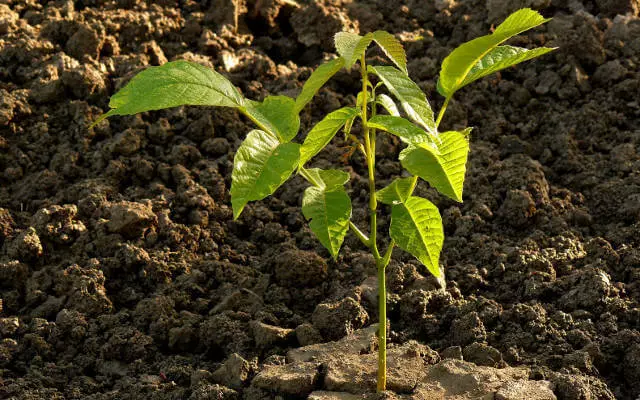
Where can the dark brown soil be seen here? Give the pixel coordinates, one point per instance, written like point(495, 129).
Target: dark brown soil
point(123, 276)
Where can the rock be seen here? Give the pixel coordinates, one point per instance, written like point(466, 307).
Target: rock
point(7, 107)
point(335, 320)
point(215, 146)
point(85, 41)
point(84, 289)
point(84, 81)
point(361, 341)
point(127, 142)
point(26, 246)
point(267, 336)
point(498, 10)
point(297, 379)
point(325, 395)
point(213, 392)
point(233, 373)
point(518, 208)
point(611, 8)
point(307, 335)
point(483, 354)
point(454, 352)
point(530, 390)
point(355, 373)
point(130, 219)
point(317, 23)
point(9, 326)
point(587, 289)
point(299, 268)
point(467, 329)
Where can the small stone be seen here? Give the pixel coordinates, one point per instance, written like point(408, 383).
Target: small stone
point(324, 395)
point(26, 246)
point(233, 373)
point(266, 336)
point(336, 320)
point(307, 335)
point(299, 268)
point(467, 329)
point(530, 390)
point(9, 326)
point(213, 392)
point(216, 146)
point(130, 219)
point(483, 354)
point(454, 352)
point(85, 41)
point(297, 379)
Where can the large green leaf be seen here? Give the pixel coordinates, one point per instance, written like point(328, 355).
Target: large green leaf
point(352, 46)
point(457, 66)
point(321, 134)
point(317, 79)
point(328, 208)
point(392, 48)
point(398, 191)
point(400, 127)
point(329, 178)
point(173, 84)
point(443, 167)
point(500, 58)
point(413, 100)
point(416, 227)
point(388, 104)
point(260, 166)
point(276, 115)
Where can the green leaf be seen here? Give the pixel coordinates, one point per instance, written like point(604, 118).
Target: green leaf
point(443, 167)
point(416, 227)
point(500, 58)
point(317, 79)
point(321, 134)
point(328, 212)
point(276, 115)
point(173, 84)
point(400, 127)
point(388, 104)
point(260, 166)
point(413, 100)
point(329, 179)
point(457, 66)
point(398, 191)
point(392, 48)
point(352, 46)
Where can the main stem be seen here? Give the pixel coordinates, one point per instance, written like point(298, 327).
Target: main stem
point(381, 262)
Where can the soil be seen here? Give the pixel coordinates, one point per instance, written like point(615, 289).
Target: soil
point(123, 275)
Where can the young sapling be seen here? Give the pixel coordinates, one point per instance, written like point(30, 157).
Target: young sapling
point(269, 155)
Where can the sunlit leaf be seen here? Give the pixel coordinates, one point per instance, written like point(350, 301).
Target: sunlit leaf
point(317, 79)
point(388, 104)
point(352, 46)
point(457, 66)
point(412, 99)
point(260, 166)
point(173, 84)
point(328, 208)
point(443, 166)
point(392, 48)
point(276, 115)
point(416, 227)
point(400, 127)
point(398, 191)
point(322, 133)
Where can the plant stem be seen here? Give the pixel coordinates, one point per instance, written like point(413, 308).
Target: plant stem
point(363, 238)
point(381, 262)
point(442, 110)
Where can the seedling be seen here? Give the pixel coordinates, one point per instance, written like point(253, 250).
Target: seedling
point(268, 156)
